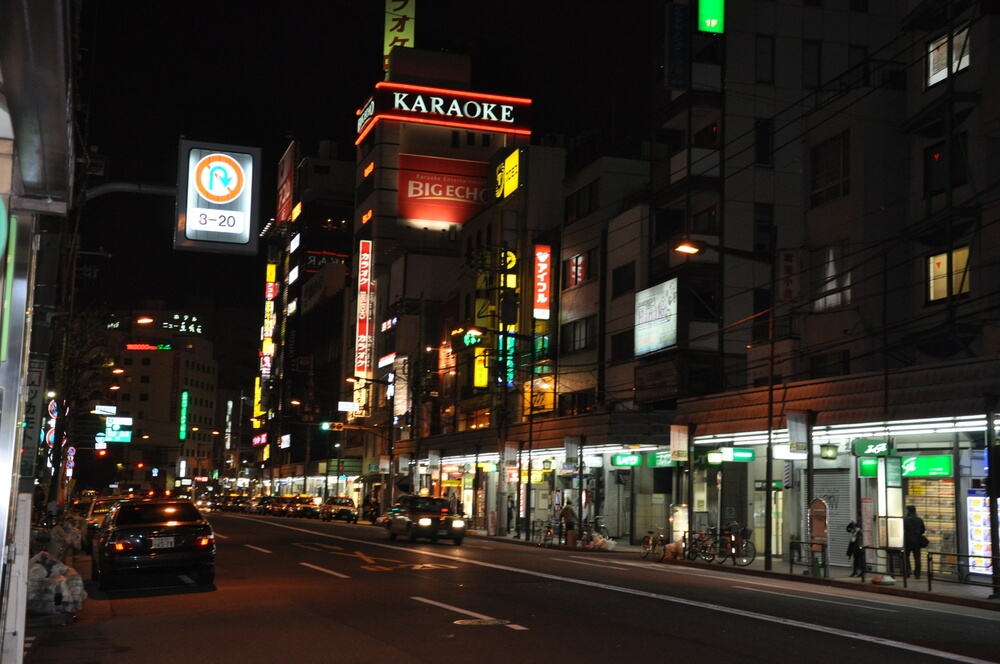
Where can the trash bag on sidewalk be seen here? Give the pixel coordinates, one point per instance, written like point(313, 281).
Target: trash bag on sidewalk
point(53, 587)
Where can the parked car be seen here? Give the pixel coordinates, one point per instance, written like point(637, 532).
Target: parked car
point(259, 504)
point(342, 509)
point(99, 509)
point(303, 507)
point(422, 516)
point(157, 534)
point(280, 506)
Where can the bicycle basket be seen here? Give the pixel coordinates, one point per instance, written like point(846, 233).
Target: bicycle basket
point(745, 533)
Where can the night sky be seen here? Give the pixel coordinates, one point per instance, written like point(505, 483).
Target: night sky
point(261, 73)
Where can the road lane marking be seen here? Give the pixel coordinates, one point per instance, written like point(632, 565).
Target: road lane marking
point(307, 546)
point(788, 622)
point(601, 565)
point(815, 599)
point(256, 548)
point(466, 612)
point(220, 536)
point(325, 571)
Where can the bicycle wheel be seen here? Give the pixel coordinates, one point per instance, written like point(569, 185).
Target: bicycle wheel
point(646, 546)
point(706, 551)
point(604, 532)
point(747, 552)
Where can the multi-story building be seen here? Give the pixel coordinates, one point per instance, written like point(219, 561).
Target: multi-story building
point(870, 389)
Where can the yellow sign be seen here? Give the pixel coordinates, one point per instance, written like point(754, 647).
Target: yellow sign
point(400, 18)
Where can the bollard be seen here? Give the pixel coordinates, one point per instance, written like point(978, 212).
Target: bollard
point(816, 567)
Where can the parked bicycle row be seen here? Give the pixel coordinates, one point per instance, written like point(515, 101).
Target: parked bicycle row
point(731, 543)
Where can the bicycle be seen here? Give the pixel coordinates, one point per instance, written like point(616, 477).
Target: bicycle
point(653, 542)
point(544, 533)
point(594, 530)
point(734, 543)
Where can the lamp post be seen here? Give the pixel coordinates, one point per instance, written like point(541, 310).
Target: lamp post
point(692, 247)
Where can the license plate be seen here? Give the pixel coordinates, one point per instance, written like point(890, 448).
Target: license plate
point(163, 542)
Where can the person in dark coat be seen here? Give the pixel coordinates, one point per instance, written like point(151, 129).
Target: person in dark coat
point(855, 548)
point(913, 532)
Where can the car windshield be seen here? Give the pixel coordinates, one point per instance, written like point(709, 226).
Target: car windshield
point(129, 515)
point(103, 507)
point(430, 505)
point(343, 501)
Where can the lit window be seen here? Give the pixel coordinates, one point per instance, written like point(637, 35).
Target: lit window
point(937, 55)
point(937, 268)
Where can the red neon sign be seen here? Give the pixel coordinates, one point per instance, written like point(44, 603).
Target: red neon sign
point(365, 331)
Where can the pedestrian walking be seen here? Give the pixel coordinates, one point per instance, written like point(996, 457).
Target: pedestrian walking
point(568, 516)
point(913, 539)
point(855, 548)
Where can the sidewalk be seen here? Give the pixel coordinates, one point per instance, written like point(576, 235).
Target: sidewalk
point(945, 592)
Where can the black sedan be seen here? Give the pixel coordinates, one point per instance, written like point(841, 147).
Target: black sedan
point(154, 535)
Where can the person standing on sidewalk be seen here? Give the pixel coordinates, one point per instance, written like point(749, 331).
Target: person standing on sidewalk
point(568, 517)
point(913, 535)
point(855, 548)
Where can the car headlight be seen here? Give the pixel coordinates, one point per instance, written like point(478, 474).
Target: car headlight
point(458, 523)
point(424, 522)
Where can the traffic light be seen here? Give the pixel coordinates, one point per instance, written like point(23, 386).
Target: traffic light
point(140, 464)
point(102, 453)
point(325, 426)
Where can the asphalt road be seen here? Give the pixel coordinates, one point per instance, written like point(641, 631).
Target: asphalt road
point(307, 591)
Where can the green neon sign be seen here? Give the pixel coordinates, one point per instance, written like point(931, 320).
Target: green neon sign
point(183, 418)
point(712, 16)
point(626, 460)
point(928, 466)
point(867, 466)
point(660, 459)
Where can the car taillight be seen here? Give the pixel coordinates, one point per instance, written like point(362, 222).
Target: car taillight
point(121, 544)
point(205, 540)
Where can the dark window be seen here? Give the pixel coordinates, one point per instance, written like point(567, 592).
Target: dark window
point(707, 137)
point(763, 144)
point(857, 63)
point(456, 139)
point(486, 140)
point(936, 168)
point(764, 62)
point(577, 403)
point(761, 309)
point(812, 53)
point(667, 223)
point(623, 279)
point(704, 294)
point(143, 379)
point(623, 346)
point(579, 334)
point(582, 202)
point(763, 229)
point(143, 396)
point(145, 362)
point(830, 170)
point(832, 364)
point(859, 5)
point(706, 221)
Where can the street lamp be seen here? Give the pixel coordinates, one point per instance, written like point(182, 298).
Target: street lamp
point(692, 247)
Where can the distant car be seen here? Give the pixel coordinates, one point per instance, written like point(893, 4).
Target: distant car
point(99, 509)
point(260, 504)
point(303, 507)
point(341, 509)
point(426, 517)
point(280, 506)
point(154, 535)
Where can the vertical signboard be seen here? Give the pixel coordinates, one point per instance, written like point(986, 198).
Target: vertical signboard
point(656, 318)
point(365, 331)
point(217, 198)
point(286, 185)
point(400, 20)
point(543, 281)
